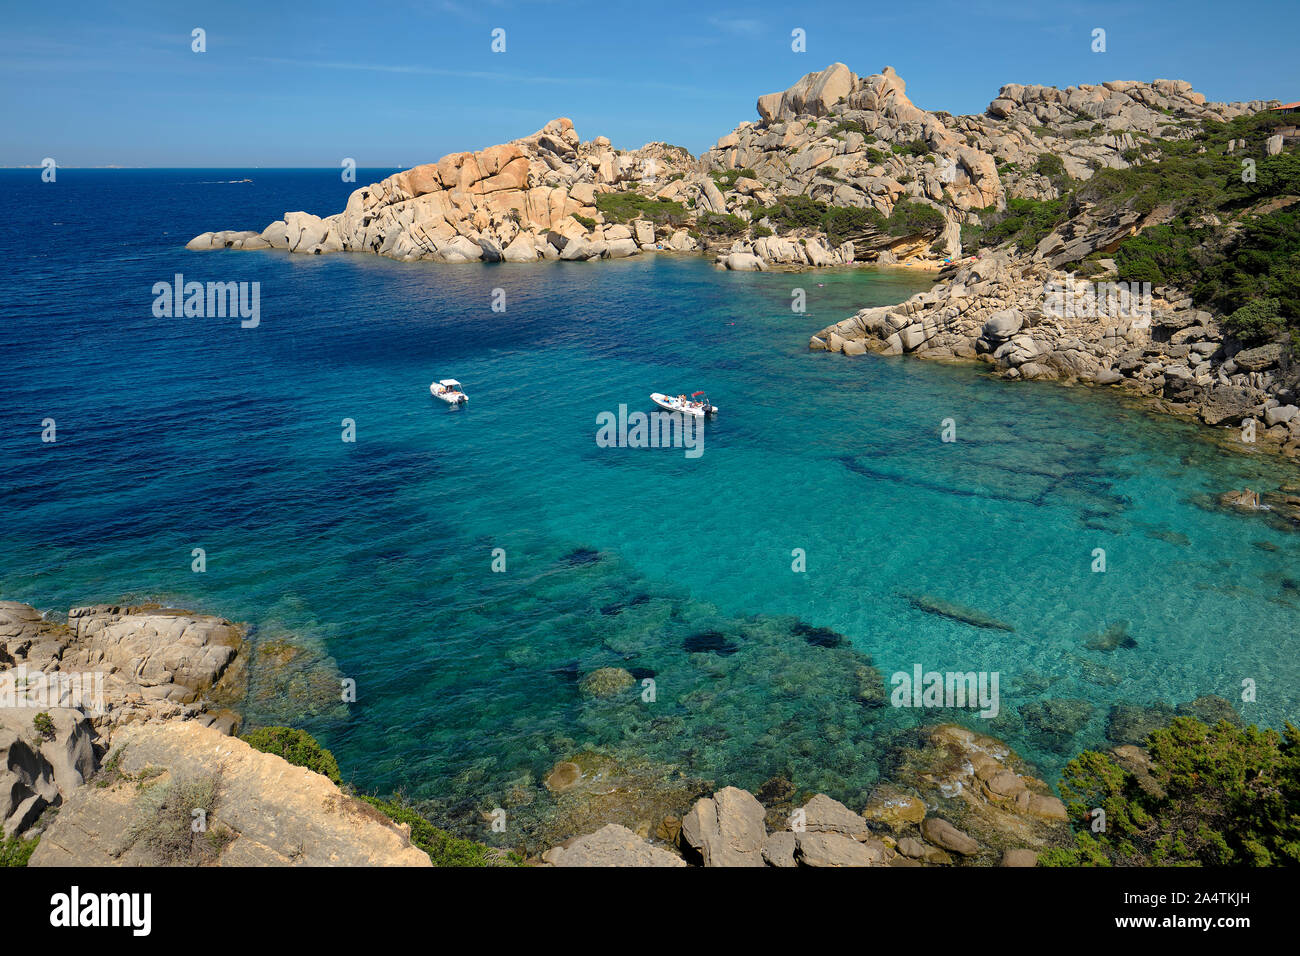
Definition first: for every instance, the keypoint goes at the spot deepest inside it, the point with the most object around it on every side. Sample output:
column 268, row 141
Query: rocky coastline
column 1174, row 357
column 117, row 730
column 835, row 138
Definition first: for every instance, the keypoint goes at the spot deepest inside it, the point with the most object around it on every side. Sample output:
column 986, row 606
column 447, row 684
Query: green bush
column 849, row 126
column 916, row 147
column 296, row 746
column 1216, row 796
column 1024, row 221
column 720, row 224
column 726, row 179
column 16, row 852
column 43, row 724
column 1051, row 166
column 626, row 206
column 1256, row 322
column 585, row 221
column 844, row 222
column 443, row 848
column 910, row 217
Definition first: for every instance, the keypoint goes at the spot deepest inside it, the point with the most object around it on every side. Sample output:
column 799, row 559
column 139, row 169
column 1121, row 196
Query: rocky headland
column 838, row 140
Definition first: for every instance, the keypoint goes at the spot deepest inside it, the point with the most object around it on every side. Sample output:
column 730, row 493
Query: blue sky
column 306, row 84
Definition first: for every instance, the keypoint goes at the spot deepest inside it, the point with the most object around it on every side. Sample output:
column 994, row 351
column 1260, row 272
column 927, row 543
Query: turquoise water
column 176, row 434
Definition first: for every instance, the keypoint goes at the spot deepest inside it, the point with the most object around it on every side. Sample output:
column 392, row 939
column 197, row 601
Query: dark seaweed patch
column 818, row 636
column 709, row 642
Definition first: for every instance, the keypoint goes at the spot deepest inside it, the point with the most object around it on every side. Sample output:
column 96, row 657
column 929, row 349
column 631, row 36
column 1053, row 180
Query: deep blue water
column 182, row 433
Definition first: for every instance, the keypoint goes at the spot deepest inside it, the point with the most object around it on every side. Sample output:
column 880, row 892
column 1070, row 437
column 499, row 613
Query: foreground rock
column 726, row 829
column 258, row 810
column 611, row 845
column 124, row 663
column 41, row 764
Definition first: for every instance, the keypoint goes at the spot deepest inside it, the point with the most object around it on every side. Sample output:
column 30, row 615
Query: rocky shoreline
column 997, row 310
column 117, row 730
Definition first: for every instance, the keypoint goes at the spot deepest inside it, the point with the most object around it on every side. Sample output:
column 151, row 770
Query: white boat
column 449, row 391
column 696, row 404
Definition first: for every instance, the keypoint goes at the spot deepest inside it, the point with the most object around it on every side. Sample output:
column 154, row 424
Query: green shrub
column 443, row 848
column 296, row 746
column 726, row 179
column 720, row 224
column 849, row 126
column 16, row 852
column 916, row 147
column 1256, row 322
column 843, row 222
column 626, row 206
column 1217, row 796
column 1024, row 221
column 43, row 724
column 910, row 217
column 585, row 221
column 1051, row 166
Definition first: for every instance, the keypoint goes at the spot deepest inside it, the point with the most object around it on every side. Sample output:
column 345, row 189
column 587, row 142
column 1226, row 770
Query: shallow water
column 177, row 434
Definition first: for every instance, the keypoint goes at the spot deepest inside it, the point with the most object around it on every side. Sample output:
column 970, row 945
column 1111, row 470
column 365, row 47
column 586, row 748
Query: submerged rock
column 606, row 682
column 1114, row 637
column 955, row 612
column 705, row 642
column 1055, row 721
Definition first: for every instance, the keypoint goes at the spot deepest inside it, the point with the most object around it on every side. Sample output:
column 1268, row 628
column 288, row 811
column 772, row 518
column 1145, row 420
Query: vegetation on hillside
column 443, row 848
column 16, row 852
column 1026, row 222
column 629, row 205
column 1215, row 796
column 302, row 750
column 908, row 218
column 1232, row 239
column 297, row 747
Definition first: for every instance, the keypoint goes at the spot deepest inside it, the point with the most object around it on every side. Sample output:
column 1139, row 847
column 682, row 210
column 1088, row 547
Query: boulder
column 834, row 849
column 943, row 834
column 611, row 845
column 726, row 829
column 821, row 814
